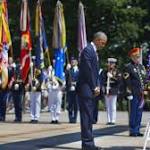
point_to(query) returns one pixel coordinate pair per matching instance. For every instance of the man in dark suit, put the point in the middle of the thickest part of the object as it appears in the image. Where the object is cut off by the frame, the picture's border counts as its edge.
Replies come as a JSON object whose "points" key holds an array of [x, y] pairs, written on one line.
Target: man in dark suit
{"points": [[88, 87]]}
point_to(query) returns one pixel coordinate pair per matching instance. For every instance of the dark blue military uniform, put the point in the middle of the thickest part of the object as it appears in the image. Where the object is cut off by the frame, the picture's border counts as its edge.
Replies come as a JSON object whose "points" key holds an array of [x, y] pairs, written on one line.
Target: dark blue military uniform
{"points": [[72, 100], [134, 75], [18, 94]]}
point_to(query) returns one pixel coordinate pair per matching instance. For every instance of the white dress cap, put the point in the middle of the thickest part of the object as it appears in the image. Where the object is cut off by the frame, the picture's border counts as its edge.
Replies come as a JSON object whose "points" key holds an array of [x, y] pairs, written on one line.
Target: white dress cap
{"points": [[112, 60]]}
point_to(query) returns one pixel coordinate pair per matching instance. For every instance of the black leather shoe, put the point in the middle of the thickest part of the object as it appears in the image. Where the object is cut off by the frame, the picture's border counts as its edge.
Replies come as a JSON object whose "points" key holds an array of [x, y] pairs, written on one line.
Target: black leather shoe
{"points": [[2, 120], [97, 148], [72, 121], [110, 123], [133, 134], [91, 148], [52, 121], [17, 120], [140, 134], [136, 134], [34, 121], [57, 122]]}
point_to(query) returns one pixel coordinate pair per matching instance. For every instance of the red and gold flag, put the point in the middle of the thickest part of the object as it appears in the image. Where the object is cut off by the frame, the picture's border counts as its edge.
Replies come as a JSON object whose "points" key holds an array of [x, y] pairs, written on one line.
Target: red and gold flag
{"points": [[26, 44]]}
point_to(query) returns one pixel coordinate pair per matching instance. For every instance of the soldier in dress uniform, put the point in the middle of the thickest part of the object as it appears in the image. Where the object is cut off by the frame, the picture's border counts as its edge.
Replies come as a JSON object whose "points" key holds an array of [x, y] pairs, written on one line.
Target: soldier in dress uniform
{"points": [[18, 92], [35, 96], [72, 73], [134, 76], [110, 79], [55, 94]]}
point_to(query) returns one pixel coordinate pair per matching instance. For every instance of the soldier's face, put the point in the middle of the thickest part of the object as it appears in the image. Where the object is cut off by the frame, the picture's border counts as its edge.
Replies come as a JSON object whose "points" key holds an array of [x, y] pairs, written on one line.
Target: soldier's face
{"points": [[111, 65], [73, 62], [136, 58]]}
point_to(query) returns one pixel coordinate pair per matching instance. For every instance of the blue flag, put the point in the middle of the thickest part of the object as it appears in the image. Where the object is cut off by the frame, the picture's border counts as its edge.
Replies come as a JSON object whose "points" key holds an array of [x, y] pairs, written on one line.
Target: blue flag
{"points": [[59, 40], [59, 63]]}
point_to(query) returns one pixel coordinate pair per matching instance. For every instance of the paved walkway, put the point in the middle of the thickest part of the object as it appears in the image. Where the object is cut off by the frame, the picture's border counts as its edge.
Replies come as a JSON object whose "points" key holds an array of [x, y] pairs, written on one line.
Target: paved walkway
{"points": [[64, 136]]}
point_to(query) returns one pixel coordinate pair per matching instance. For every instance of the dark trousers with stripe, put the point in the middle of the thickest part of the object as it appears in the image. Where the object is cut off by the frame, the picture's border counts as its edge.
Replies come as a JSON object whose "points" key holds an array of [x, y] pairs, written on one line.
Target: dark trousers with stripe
{"points": [[135, 115]]}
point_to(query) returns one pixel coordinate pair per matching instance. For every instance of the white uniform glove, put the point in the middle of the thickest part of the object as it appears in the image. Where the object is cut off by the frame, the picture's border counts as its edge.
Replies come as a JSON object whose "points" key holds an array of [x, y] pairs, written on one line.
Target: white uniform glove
{"points": [[109, 75], [68, 66], [130, 98]]}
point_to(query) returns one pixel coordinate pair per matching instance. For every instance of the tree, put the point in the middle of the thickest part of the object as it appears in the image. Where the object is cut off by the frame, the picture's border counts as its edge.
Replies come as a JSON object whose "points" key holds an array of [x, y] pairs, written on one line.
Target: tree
{"points": [[126, 22]]}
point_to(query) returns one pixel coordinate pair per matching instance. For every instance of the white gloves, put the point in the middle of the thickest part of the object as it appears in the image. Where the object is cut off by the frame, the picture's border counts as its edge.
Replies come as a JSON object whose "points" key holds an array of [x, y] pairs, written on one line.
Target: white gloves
{"points": [[109, 75], [68, 66], [130, 98]]}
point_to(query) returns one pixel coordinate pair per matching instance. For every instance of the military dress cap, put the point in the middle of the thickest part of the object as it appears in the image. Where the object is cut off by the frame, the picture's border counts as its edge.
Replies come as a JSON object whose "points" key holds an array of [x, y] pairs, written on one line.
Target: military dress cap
{"points": [[134, 51], [72, 58], [112, 60]]}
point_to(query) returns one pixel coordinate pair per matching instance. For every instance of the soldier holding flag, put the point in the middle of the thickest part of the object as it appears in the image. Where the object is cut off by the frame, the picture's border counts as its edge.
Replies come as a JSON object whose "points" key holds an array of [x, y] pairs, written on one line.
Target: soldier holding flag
{"points": [[35, 96], [18, 92]]}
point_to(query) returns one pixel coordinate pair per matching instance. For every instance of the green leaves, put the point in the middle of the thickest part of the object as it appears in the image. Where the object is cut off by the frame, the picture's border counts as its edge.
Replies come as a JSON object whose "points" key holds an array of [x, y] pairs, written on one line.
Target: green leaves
{"points": [[126, 22]]}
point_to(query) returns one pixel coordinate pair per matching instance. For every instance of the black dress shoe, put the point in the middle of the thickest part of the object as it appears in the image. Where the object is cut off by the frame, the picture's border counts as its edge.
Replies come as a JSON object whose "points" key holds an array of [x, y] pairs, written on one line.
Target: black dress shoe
{"points": [[72, 121], [17, 120], [133, 134], [94, 122], [91, 148], [139, 134], [53, 122], [34, 121], [57, 122], [110, 123], [97, 148], [31, 121], [2, 120]]}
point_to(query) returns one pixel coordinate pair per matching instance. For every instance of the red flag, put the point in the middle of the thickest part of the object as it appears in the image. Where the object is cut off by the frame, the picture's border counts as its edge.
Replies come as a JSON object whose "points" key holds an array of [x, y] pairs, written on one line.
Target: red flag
{"points": [[26, 45]]}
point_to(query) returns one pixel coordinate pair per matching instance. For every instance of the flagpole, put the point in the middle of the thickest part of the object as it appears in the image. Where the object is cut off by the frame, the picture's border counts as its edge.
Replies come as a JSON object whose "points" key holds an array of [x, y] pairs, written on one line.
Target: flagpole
{"points": [[48, 55], [67, 55], [11, 51]]}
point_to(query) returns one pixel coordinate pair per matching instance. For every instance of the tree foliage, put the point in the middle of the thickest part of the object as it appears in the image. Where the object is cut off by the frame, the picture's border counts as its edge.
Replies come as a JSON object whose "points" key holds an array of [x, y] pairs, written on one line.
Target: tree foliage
{"points": [[126, 22]]}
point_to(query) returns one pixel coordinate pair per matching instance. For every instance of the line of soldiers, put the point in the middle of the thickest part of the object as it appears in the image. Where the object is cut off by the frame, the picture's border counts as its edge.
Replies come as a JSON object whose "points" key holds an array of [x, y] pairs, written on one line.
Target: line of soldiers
{"points": [[42, 81], [111, 79]]}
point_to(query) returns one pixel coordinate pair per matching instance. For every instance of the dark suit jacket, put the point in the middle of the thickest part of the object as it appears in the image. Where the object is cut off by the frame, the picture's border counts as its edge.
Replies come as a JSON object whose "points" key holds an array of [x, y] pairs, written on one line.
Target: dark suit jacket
{"points": [[88, 73]]}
